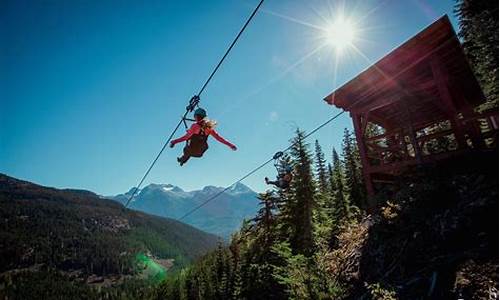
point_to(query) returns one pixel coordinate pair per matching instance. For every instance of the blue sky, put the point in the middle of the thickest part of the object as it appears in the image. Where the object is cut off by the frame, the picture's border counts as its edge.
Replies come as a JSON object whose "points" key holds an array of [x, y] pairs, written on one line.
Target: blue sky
{"points": [[90, 90]]}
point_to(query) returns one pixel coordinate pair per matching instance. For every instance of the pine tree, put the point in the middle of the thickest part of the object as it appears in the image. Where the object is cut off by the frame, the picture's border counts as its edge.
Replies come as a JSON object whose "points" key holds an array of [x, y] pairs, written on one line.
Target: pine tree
{"points": [[303, 193], [257, 258], [478, 21], [264, 222], [340, 209], [341, 204], [321, 169], [321, 214], [222, 274], [286, 208], [330, 171], [237, 284], [354, 188]]}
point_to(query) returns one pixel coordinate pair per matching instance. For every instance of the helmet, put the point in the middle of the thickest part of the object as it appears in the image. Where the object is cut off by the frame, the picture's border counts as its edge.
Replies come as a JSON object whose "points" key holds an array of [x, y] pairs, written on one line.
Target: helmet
{"points": [[200, 112]]}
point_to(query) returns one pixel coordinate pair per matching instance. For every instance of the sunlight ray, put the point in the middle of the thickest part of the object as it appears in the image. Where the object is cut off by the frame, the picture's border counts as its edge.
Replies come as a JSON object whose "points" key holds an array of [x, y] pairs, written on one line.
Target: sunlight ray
{"points": [[273, 80], [319, 15], [371, 64], [291, 19], [335, 69], [371, 11]]}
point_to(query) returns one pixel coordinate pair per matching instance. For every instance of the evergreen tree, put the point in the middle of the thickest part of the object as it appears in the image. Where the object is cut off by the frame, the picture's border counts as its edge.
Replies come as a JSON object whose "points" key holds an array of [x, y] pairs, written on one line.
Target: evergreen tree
{"points": [[237, 284], [321, 219], [354, 188], [222, 273], [303, 193], [341, 204], [258, 259], [478, 21], [321, 169], [330, 172], [340, 210], [286, 206], [264, 223]]}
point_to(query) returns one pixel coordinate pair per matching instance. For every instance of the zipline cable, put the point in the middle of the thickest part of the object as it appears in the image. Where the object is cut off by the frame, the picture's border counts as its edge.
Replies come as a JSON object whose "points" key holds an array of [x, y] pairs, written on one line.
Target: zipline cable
{"points": [[224, 190], [194, 101], [317, 128], [154, 161], [288, 148], [230, 47], [258, 168]]}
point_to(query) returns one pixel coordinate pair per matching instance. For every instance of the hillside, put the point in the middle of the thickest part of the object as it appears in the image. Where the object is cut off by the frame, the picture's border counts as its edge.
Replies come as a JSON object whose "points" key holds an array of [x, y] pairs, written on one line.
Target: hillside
{"points": [[436, 237], [433, 235], [61, 242], [221, 217]]}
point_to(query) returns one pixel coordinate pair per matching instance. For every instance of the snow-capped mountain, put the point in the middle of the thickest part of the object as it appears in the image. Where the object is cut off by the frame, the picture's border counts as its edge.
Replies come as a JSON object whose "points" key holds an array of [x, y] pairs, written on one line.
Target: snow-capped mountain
{"points": [[222, 216]]}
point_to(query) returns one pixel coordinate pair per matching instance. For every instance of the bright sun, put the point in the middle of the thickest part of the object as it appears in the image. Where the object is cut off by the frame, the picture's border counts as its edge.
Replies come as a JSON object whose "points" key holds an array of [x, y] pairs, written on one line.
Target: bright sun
{"points": [[340, 34]]}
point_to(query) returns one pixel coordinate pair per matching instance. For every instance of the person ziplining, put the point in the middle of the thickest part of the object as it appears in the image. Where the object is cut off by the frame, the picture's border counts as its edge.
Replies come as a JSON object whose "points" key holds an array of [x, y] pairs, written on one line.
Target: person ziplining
{"points": [[197, 135], [285, 172], [283, 179], [194, 102]]}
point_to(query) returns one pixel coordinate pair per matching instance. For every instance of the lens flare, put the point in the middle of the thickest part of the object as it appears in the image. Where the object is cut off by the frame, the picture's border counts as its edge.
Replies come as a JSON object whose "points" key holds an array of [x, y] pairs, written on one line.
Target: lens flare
{"points": [[149, 269], [340, 34]]}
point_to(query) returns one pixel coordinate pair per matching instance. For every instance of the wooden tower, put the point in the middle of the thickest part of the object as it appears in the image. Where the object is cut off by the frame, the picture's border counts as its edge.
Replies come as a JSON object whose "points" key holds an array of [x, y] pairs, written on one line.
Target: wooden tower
{"points": [[416, 105]]}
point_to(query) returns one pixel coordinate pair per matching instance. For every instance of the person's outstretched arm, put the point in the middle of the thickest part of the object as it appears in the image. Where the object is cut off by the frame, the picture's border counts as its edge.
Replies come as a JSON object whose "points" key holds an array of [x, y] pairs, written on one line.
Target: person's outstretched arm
{"points": [[222, 140], [185, 137]]}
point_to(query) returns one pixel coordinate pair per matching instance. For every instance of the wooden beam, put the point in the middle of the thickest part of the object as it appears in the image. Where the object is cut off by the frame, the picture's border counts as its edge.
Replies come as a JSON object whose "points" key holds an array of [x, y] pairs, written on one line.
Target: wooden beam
{"points": [[412, 134], [379, 149], [398, 166], [377, 119], [343, 102], [472, 128], [441, 78], [384, 135], [364, 158], [364, 123]]}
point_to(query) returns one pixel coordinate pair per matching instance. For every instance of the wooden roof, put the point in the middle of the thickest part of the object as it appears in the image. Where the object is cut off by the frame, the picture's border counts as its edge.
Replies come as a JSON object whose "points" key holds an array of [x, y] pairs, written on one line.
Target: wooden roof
{"points": [[406, 80]]}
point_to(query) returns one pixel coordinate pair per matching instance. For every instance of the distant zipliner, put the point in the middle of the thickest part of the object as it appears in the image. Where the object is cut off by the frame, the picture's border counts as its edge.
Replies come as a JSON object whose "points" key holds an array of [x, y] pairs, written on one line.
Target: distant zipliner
{"points": [[197, 135], [284, 170]]}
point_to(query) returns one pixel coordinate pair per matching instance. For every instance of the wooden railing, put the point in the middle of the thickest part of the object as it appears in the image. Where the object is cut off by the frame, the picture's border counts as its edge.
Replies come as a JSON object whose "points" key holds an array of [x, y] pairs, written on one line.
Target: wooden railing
{"points": [[395, 146]]}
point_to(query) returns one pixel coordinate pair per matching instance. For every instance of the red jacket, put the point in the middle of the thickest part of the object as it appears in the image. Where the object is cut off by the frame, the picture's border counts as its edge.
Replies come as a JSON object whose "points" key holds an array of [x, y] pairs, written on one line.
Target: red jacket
{"points": [[195, 129]]}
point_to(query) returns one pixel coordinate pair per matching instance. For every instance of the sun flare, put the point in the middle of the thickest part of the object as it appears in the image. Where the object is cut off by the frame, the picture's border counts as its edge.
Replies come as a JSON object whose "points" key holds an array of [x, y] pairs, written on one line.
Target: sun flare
{"points": [[340, 34]]}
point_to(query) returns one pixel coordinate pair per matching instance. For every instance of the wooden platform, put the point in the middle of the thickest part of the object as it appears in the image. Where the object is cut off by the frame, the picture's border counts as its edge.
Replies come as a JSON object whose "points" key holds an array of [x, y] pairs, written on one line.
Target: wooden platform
{"points": [[416, 105]]}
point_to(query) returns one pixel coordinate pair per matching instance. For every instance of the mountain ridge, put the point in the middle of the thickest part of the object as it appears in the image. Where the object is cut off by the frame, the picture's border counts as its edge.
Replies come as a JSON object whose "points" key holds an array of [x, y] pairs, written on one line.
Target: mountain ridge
{"points": [[222, 216]]}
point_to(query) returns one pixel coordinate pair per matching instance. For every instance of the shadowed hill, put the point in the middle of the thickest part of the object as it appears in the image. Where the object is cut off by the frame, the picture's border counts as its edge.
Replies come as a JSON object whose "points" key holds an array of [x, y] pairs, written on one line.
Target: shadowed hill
{"points": [[81, 239], [436, 237]]}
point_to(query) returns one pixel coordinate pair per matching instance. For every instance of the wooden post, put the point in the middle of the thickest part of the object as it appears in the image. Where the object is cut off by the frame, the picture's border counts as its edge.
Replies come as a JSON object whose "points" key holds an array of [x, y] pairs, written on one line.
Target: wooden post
{"points": [[472, 126], [412, 134], [356, 119], [441, 78]]}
